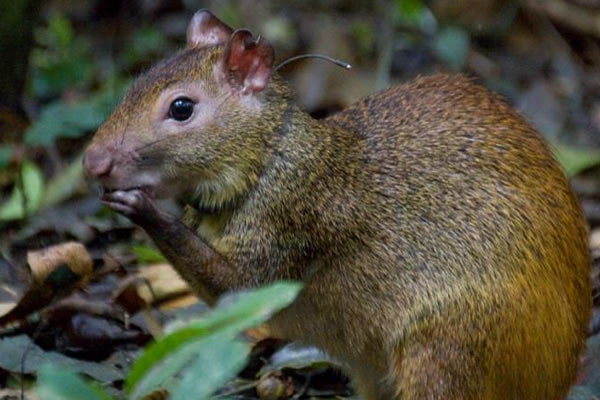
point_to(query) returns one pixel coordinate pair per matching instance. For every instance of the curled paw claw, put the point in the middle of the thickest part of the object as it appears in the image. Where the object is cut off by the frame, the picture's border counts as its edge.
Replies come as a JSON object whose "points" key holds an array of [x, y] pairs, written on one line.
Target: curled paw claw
{"points": [[134, 204]]}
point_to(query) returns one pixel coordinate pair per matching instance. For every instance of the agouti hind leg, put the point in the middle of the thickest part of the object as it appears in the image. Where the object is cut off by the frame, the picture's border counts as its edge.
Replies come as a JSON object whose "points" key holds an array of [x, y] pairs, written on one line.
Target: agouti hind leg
{"points": [[433, 363], [452, 363], [426, 373]]}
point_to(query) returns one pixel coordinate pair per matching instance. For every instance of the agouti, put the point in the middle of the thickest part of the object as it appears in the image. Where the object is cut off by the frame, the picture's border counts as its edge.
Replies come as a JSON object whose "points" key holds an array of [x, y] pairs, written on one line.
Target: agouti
{"points": [[443, 253]]}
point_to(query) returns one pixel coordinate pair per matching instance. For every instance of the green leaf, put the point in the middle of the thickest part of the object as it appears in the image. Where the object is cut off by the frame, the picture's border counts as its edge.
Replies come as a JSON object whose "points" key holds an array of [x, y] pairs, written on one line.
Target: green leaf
{"points": [[244, 311], [410, 11], [50, 78], [26, 199], [219, 361], [575, 160], [364, 37], [20, 355], [204, 364], [173, 362], [146, 43], [5, 154], [452, 46], [60, 119], [61, 30], [146, 254], [61, 60], [63, 120], [55, 383]]}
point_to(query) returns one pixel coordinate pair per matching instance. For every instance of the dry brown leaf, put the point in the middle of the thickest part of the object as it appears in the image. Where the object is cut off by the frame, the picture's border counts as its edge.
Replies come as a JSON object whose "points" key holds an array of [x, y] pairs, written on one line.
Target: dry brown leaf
{"points": [[152, 284], [18, 394], [43, 262], [46, 267], [13, 286]]}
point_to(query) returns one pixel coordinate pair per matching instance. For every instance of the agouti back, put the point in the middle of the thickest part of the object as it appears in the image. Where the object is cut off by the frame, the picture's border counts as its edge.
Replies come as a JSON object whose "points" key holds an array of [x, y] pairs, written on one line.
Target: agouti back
{"points": [[443, 253]]}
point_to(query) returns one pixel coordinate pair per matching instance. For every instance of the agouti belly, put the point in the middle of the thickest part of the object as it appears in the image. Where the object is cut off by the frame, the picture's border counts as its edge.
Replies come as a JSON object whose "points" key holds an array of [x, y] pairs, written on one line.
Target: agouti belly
{"points": [[443, 253]]}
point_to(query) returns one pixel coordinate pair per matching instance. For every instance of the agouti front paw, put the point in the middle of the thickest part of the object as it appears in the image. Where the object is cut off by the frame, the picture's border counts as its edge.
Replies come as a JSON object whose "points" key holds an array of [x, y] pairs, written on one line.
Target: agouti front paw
{"points": [[135, 204]]}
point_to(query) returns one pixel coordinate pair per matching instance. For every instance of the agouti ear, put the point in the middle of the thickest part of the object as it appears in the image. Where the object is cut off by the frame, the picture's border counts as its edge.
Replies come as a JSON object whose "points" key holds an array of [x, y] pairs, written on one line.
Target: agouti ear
{"points": [[248, 62], [207, 30]]}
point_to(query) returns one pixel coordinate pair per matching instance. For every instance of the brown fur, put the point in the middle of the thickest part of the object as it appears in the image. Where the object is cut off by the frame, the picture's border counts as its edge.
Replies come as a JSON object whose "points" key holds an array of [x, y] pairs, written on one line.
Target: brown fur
{"points": [[443, 253]]}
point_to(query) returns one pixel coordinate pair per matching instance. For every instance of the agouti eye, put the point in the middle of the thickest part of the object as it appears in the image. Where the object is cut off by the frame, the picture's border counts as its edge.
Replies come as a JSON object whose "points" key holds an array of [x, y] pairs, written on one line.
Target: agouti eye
{"points": [[181, 109]]}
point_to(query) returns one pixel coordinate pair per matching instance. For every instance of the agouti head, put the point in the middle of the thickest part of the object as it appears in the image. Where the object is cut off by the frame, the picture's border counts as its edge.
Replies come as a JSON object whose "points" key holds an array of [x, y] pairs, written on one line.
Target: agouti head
{"points": [[200, 121]]}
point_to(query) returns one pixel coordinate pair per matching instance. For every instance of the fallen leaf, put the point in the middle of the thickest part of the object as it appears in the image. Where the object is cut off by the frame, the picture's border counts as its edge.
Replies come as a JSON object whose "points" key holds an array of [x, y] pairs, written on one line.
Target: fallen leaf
{"points": [[20, 355], [151, 285], [297, 356], [13, 286], [46, 261], [26, 197], [575, 160]]}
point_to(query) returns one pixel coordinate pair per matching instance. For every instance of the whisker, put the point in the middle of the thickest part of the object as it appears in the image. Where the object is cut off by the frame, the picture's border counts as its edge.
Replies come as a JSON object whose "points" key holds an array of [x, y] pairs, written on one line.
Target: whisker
{"points": [[144, 146], [147, 145], [224, 94], [223, 101], [147, 160]]}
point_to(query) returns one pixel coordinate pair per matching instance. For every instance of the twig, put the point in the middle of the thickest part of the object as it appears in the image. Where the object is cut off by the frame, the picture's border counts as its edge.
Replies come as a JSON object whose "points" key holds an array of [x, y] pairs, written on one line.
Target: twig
{"points": [[239, 389]]}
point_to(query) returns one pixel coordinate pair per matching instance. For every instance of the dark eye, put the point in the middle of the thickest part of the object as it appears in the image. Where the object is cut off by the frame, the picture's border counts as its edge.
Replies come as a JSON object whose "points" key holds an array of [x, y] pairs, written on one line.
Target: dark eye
{"points": [[181, 109]]}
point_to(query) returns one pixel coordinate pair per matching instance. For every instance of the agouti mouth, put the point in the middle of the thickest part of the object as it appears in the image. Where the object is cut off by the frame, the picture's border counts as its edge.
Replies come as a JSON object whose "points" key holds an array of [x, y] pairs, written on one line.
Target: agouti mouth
{"points": [[106, 190]]}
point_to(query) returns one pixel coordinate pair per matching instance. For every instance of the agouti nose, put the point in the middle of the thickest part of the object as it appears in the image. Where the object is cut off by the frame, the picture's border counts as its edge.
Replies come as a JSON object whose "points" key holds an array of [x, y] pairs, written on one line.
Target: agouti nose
{"points": [[97, 163]]}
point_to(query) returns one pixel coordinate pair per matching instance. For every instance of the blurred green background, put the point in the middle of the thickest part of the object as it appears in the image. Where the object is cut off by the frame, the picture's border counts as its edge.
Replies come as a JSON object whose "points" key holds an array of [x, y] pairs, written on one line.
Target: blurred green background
{"points": [[66, 63]]}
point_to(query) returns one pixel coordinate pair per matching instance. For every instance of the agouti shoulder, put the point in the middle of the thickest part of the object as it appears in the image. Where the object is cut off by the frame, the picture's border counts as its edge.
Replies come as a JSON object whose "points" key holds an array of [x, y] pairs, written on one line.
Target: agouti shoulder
{"points": [[443, 253]]}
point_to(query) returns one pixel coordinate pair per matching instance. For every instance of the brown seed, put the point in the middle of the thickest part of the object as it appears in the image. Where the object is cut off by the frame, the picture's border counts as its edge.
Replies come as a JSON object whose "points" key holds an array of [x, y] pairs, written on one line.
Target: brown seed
{"points": [[271, 388]]}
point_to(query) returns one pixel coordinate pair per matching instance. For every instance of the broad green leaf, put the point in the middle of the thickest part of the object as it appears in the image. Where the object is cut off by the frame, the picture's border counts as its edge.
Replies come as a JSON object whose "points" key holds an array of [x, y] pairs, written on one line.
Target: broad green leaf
{"points": [[157, 352], [575, 160], [161, 375], [25, 199], [452, 45], [219, 361], [60, 119], [53, 77], [56, 383], [246, 310], [63, 120], [206, 363], [146, 254]]}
